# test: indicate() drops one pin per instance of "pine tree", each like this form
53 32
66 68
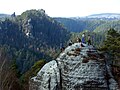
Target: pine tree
112 44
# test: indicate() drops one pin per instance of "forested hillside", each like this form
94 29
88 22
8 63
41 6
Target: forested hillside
70 24
78 25
111 47
96 23
28 38
106 26
33 38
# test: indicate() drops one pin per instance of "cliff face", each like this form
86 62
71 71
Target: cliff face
28 35
76 68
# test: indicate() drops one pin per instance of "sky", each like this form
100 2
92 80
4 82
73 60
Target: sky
61 8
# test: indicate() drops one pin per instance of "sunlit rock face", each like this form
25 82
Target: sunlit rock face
76 68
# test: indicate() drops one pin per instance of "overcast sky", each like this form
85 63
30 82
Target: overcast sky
61 8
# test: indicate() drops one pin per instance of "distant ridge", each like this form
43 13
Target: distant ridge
4 15
95 22
104 15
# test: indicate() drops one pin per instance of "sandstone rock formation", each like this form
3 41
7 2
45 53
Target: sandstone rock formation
76 68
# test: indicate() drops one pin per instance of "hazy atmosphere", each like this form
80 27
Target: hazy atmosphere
61 8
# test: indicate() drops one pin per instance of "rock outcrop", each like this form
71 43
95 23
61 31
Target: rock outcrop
76 68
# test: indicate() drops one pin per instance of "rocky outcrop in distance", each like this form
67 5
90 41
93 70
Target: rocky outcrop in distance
76 68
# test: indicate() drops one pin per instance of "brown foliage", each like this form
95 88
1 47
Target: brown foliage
8 79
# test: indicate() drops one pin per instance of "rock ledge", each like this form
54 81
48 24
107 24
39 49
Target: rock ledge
76 68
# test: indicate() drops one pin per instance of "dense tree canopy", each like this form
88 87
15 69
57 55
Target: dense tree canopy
112 43
28 38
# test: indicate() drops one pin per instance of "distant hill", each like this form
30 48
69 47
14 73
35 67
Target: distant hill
106 26
32 36
105 16
4 16
91 22
71 24
79 25
102 16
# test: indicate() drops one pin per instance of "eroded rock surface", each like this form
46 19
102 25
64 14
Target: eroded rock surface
76 68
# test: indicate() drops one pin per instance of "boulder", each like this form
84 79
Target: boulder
76 68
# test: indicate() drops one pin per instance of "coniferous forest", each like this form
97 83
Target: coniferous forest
30 40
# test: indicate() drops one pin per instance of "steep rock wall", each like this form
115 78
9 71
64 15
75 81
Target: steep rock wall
76 68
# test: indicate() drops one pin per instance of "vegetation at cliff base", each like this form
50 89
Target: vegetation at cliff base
112 48
30 40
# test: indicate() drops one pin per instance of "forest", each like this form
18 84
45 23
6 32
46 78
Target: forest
30 40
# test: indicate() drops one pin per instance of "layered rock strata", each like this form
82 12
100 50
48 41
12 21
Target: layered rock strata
76 68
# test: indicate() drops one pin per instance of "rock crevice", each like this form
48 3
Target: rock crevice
76 68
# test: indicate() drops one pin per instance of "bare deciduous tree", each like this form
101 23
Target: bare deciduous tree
7 74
